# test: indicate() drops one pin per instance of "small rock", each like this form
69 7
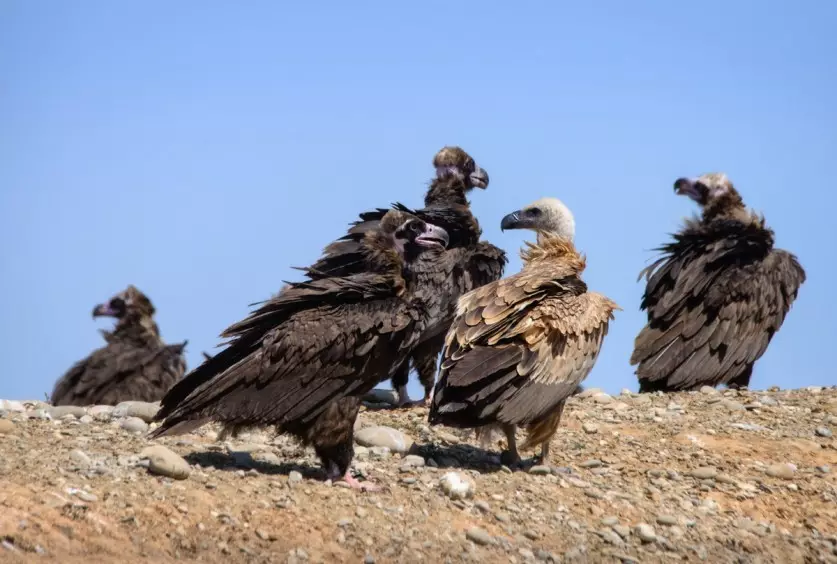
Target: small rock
781 471
708 390
164 462
413 461
140 409
457 486
732 405
382 396
591 463
705 473
59 411
610 537
645 532
10 405
824 469
590 428
80 457
667 520
610 521
134 425
478 536
393 439
294 477
540 470
602 399
86 419
101 412
824 432
379 452
622 531
6 427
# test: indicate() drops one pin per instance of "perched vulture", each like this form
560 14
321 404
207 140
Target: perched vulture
135 365
716 296
477 262
520 346
303 360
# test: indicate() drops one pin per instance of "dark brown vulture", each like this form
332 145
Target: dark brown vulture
479 262
716 296
520 346
135 365
303 360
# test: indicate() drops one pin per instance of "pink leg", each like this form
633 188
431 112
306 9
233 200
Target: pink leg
354 483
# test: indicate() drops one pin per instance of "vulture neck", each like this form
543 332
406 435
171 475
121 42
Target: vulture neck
553 248
134 328
728 206
382 258
446 191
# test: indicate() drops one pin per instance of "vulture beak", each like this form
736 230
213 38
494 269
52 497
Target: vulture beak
433 236
512 221
691 188
103 310
479 178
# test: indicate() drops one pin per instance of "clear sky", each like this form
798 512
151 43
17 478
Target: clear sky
200 149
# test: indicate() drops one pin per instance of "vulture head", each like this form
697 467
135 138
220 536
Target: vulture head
127 303
454 162
547 214
713 192
402 235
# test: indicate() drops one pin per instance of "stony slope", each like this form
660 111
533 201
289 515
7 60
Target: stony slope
715 477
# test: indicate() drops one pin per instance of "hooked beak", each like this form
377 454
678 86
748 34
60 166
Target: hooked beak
691 188
479 178
433 236
103 310
512 221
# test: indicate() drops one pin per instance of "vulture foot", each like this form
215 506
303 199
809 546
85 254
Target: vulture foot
355 484
510 458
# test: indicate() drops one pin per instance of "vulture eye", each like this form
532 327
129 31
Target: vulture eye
117 303
416 227
533 212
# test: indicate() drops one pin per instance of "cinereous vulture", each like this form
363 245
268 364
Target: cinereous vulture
520 346
716 296
446 205
135 365
302 361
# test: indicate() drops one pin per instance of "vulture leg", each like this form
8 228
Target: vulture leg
426 360
399 382
510 456
742 380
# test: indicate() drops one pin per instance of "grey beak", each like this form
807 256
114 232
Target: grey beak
511 221
479 178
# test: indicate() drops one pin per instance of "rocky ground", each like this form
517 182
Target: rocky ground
706 476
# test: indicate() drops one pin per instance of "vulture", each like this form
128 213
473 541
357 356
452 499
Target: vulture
303 360
135 365
520 346
478 262
715 297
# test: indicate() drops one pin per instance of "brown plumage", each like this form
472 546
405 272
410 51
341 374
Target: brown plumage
303 360
134 365
478 263
521 345
716 297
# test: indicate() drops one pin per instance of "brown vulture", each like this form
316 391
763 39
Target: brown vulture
520 346
135 365
479 262
716 296
302 361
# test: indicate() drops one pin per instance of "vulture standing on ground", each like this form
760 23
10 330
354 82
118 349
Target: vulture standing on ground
135 365
479 262
520 346
303 360
716 297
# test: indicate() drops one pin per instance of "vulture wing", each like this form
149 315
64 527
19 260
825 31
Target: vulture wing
518 348
713 305
345 255
121 372
316 342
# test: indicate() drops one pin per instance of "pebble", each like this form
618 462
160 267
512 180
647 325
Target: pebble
705 473
457 486
540 470
610 521
11 405
101 412
824 469
6 427
590 428
59 411
591 463
382 396
602 398
134 425
590 392
708 390
393 439
781 471
478 536
732 405
80 457
645 532
610 537
824 432
140 409
622 531
667 520
294 477
413 461
164 462
86 419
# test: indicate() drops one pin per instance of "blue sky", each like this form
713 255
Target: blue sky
200 149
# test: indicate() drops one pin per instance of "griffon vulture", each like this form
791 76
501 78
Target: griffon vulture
520 346
446 205
716 296
303 360
134 365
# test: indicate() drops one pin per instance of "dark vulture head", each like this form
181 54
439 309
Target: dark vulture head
547 214
713 192
454 162
402 235
127 303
